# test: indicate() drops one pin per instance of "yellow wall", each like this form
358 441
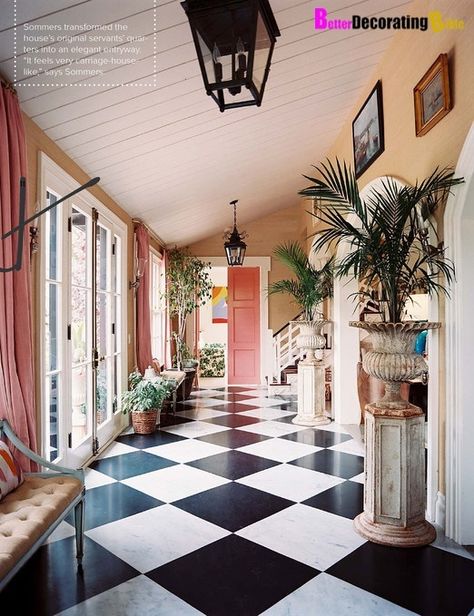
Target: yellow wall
263 236
406 156
37 141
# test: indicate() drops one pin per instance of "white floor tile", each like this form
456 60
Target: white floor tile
273 428
152 538
334 427
359 478
201 413
334 597
267 413
117 449
292 482
139 596
311 536
279 449
205 402
352 447
176 482
186 451
194 429
62 531
262 401
94 479
448 545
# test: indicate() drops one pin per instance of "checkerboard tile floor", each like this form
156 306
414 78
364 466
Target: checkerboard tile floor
231 509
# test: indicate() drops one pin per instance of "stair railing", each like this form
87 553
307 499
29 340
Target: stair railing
285 351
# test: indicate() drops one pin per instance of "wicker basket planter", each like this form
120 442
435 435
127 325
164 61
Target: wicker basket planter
145 422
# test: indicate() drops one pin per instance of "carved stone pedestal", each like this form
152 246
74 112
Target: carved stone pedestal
394 492
311 394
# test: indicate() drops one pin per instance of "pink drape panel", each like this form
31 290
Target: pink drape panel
167 357
144 355
17 400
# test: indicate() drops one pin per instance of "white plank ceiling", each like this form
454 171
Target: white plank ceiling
165 153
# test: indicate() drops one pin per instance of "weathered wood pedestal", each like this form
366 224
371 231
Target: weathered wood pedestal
394 491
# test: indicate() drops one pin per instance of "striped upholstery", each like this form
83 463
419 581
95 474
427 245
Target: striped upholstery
10 474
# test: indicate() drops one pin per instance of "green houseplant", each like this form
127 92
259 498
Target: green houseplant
144 400
212 360
390 250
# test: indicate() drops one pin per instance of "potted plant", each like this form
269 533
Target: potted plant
188 286
390 250
308 289
144 400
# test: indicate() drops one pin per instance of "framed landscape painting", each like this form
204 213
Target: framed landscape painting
432 96
367 131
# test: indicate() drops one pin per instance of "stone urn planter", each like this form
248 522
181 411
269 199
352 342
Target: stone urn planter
394 490
311 390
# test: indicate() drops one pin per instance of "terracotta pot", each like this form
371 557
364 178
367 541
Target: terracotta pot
310 338
144 422
393 359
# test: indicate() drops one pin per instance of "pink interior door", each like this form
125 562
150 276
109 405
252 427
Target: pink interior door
244 325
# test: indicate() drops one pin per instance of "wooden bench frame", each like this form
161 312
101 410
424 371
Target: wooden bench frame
77 503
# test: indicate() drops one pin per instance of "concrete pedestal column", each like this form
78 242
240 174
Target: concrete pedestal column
394 494
311 394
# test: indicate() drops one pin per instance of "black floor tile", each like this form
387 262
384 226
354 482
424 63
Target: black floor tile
51 582
318 438
346 499
113 502
233 506
143 441
130 464
425 580
333 463
233 438
232 577
233 420
169 419
234 407
233 464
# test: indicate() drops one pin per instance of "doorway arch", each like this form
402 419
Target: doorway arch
459 231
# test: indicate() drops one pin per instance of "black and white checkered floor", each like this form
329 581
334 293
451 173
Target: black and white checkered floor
231 509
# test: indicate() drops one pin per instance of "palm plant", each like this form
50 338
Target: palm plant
389 242
310 285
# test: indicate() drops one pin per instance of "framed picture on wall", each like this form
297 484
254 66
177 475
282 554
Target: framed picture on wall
432 96
219 304
367 131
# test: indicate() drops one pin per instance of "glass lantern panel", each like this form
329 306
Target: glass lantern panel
263 45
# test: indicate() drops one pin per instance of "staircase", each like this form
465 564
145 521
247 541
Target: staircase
286 356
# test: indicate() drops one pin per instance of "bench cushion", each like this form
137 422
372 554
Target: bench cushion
27 512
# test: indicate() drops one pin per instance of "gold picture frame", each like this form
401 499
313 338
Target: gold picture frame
432 96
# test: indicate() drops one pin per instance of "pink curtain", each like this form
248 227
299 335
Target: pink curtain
143 331
17 394
167 341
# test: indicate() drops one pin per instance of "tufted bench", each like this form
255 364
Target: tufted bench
30 513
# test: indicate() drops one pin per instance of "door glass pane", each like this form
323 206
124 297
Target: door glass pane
79 325
79 237
52 220
80 407
51 326
51 406
102 258
103 392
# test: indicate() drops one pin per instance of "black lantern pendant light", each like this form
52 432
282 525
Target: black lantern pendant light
235 247
234 42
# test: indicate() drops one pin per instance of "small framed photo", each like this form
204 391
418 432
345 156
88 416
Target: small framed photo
367 131
432 96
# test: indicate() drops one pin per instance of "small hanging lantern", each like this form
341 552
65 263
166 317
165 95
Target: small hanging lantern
235 247
234 42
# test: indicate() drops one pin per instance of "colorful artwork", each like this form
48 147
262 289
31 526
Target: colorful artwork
219 304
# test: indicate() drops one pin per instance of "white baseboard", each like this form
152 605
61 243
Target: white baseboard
440 510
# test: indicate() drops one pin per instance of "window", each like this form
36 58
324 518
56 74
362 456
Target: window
158 308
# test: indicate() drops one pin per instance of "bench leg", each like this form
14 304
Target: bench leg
79 524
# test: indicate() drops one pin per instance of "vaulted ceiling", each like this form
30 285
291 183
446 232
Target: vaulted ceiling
163 150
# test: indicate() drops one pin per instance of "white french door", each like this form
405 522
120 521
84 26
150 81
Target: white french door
83 314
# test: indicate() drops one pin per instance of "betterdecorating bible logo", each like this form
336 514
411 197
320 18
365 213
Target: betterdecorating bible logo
434 20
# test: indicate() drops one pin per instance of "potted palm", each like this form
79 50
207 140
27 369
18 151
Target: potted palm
144 401
390 250
308 288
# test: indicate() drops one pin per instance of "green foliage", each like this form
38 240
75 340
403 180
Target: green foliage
212 360
146 395
389 242
310 285
188 286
